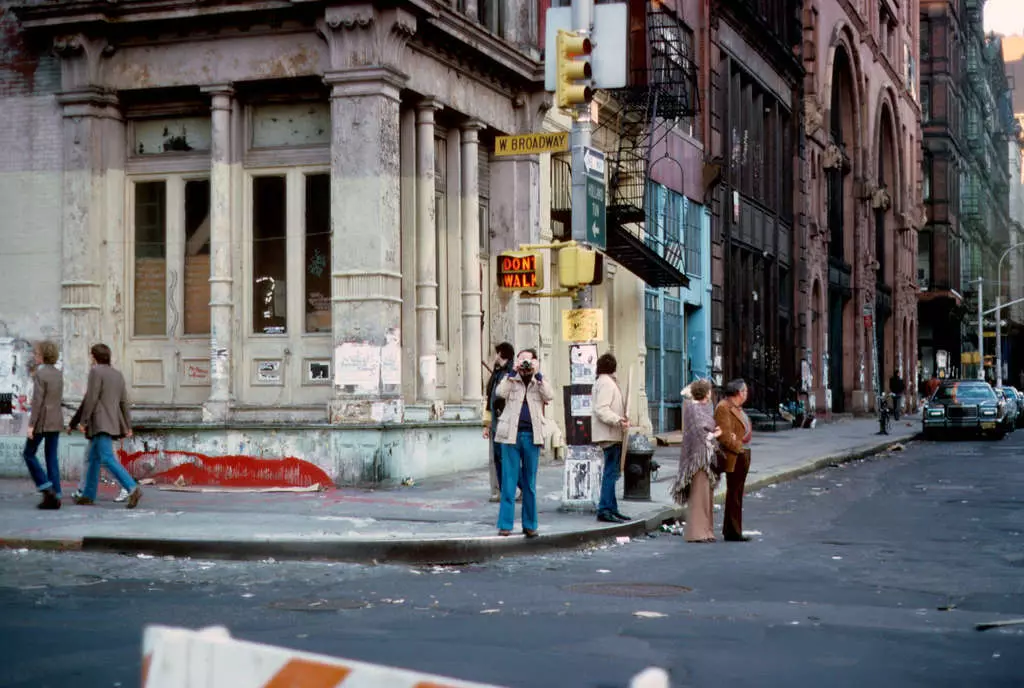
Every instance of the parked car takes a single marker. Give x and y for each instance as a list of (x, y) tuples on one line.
[(1014, 414), (964, 406)]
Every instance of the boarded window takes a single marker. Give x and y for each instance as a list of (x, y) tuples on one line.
[(178, 135), (318, 253), (151, 259), (307, 124), (197, 257), (269, 256)]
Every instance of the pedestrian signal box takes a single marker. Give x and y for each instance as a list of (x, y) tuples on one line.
[(520, 271), (578, 266)]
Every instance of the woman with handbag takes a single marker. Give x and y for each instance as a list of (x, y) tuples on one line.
[(697, 478)]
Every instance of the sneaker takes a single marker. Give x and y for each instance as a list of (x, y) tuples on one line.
[(122, 496)]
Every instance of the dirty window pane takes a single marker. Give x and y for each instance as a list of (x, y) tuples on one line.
[(291, 125), (150, 259), (197, 257), (318, 253), (269, 256), (178, 135)]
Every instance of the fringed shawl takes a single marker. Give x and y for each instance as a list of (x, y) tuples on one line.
[(698, 453)]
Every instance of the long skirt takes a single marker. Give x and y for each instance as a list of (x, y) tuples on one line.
[(700, 510)]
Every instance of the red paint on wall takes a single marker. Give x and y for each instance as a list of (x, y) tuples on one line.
[(223, 471)]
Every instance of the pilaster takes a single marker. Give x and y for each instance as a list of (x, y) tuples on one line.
[(426, 251), (472, 306), (90, 122), (367, 46), (217, 407)]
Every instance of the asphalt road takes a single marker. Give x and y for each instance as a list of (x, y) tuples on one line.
[(873, 573)]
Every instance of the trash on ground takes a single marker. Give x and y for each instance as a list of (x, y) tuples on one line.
[(147, 481), (603, 571), (752, 533), (837, 558), (144, 556), (998, 624), (248, 595), (622, 540), (649, 615), (408, 482), (490, 611), (896, 447)]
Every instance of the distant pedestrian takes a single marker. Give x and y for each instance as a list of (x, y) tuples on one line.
[(608, 428), (45, 423), (697, 477), (736, 435), (104, 417), (504, 354), (896, 388), (520, 432)]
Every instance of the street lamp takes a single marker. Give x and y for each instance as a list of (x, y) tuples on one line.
[(999, 320)]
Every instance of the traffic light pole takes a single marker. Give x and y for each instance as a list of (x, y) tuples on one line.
[(580, 140)]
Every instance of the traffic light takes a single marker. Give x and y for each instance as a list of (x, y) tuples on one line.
[(578, 266), (520, 271), (572, 66)]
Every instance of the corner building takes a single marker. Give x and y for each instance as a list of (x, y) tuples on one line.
[(860, 164), (280, 216)]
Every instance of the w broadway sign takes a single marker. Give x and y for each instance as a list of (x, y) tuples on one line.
[(531, 144)]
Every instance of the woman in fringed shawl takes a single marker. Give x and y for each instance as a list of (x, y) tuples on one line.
[(696, 481)]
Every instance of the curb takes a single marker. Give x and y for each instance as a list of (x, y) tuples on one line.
[(455, 551), (421, 552)]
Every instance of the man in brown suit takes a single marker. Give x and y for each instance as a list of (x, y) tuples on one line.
[(45, 423), (104, 417), (736, 433)]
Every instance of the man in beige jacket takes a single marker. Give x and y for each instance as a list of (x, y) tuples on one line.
[(520, 432), (608, 425)]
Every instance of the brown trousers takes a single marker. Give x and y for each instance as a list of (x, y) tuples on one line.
[(735, 481)]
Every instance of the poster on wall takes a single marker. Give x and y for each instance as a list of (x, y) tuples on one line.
[(268, 372), (582, 364), (357, 368), (581, 481), (581, 405)]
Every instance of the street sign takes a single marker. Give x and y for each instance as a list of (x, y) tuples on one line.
[(583, 325), (531, 144), (594, 164)]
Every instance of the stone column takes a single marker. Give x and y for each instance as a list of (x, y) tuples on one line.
[(217, 406), (426, 252), (88, 109), (472, 378), (366, 45)]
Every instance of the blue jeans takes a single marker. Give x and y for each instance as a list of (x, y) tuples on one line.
[(50, 480), (612, 468), (101, 450), (519, 467)]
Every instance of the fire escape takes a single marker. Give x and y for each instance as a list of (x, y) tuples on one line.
[(661, 91)]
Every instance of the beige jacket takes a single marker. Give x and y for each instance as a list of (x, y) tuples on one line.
[(512, 390), (608, 410), (105, 407), (47, 415)]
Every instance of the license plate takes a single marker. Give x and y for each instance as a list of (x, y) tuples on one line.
[(988, 426)]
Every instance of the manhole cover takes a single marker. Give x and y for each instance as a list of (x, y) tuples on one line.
[(315, 604), (630, 589)]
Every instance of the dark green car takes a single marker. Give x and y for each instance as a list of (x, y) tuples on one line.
[(964, 406)]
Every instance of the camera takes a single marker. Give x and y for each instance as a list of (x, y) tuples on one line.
[(526, 366)]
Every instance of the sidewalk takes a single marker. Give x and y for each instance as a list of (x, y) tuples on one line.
[(442, 520)]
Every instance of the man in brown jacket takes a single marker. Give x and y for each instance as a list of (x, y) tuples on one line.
[(104, 417), (45, 423), (736, 433)]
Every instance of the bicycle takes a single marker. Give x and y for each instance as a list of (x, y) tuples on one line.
[(884, 416)]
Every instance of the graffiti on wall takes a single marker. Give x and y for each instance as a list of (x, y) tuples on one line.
[(15, 385), (224, 471)]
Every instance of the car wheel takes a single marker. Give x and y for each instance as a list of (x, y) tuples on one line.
[(930, 434)]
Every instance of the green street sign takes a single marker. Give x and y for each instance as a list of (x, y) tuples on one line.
[(593, 162)]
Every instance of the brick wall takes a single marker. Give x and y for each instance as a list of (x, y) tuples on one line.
[(30, 185)]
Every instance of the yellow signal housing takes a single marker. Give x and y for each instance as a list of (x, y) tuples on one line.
[(576, 266), (569, 70)]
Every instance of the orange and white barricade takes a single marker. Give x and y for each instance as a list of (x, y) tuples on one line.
[(211, 658)]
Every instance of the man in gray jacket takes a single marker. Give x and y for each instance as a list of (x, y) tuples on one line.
[(104, 417), (45, 424)]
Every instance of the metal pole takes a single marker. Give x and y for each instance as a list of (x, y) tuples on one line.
[(981, 336), (999, 315), (580, 137)]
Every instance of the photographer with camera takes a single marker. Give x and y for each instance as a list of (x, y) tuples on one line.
[(520, 432)]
